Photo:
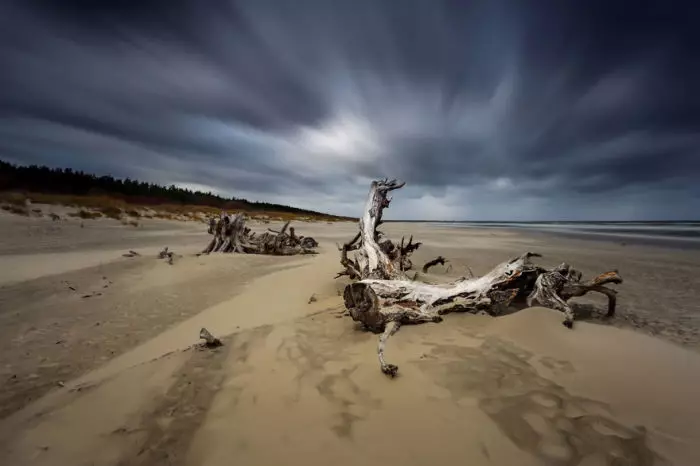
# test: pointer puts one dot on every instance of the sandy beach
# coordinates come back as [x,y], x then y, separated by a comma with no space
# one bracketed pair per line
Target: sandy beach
[97,365]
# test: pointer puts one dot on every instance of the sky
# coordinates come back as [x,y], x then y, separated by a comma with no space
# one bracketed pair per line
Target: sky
[488,109]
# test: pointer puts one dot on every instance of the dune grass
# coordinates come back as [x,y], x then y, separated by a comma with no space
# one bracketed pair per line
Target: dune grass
[97,206]
[85,214]
[15,209]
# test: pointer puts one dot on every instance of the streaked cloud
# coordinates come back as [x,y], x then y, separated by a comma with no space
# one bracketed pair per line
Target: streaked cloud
[488,109]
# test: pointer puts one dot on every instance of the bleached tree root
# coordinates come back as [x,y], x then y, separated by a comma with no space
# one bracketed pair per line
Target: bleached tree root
[385,298]
[232,235]
[377,303]
[377,257]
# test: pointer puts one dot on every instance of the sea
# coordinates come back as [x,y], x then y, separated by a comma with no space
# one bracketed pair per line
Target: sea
[681,234]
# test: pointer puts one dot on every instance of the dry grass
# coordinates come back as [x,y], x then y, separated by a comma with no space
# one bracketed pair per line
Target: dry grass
[12,198]
[61,199]
[14,203]
[85,214]
[15,209]
[111,212]
[115,208]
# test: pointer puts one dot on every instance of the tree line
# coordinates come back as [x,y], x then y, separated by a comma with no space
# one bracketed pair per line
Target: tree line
[66,181]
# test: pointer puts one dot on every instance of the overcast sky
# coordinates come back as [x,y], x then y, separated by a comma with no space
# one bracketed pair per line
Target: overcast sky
[511,110]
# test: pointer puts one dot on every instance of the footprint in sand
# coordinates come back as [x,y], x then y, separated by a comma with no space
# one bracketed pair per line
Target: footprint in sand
[538,423]
[556,365]
[556,448]
[545,399]
[603,427]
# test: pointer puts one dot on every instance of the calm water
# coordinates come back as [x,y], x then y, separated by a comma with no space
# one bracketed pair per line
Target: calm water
[680,234]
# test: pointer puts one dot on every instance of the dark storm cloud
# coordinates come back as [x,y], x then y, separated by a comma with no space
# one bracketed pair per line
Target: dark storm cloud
[488,109]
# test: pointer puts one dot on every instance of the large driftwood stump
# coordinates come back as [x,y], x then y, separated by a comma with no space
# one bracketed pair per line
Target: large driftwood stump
[232,235]
[384,297]
[377,257]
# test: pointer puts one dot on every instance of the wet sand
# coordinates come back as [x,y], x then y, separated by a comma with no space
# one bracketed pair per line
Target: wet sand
[113,379]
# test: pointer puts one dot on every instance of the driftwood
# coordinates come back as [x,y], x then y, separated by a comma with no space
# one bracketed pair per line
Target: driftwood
[232,235]
[377,257]
[166,254]
[210,341]
[438,260]
[384,297]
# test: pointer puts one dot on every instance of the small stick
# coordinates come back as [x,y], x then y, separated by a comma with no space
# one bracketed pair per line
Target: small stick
[438,260]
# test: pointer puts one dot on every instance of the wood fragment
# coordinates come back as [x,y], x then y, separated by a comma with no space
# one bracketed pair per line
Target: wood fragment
[438,260]
[169,256]
[210,341]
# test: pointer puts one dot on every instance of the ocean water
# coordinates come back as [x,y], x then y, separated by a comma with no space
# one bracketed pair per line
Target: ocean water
[680,234]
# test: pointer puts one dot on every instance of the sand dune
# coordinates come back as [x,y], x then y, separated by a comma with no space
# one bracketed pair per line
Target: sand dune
[296,383]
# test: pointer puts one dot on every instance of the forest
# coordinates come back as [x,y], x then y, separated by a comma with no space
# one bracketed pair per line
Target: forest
[66,181]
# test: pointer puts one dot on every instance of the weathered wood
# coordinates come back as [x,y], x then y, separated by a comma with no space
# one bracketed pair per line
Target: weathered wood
[308,242]
[384,298]
[438,260]
[166,254]
[131,253]
[375,258]
[555,287]
[464,295]
[232,235]
[351,267]
[210,341]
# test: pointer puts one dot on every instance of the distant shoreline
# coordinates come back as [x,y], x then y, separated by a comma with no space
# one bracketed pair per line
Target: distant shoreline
[553,222]
[681,234]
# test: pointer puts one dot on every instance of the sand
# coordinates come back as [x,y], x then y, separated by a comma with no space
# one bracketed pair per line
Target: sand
[113,379]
